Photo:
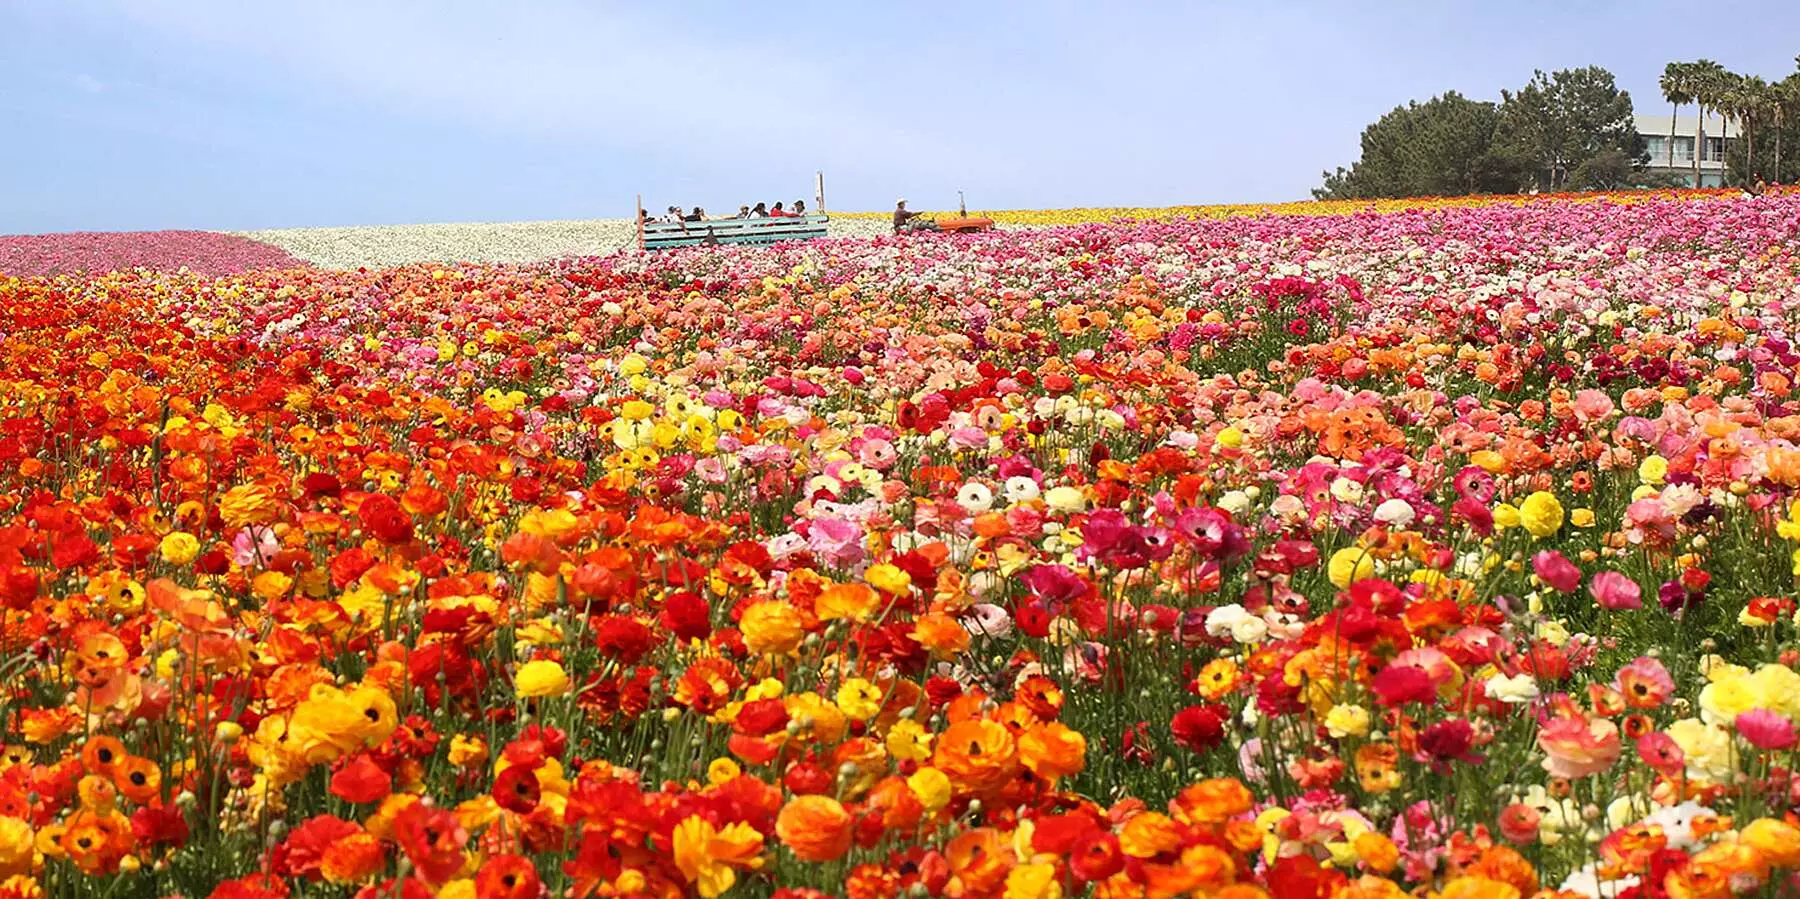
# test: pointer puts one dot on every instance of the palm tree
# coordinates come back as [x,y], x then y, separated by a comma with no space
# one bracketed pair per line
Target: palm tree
[1707,79]
[1677,82]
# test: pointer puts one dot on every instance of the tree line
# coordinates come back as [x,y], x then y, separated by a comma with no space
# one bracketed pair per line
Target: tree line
[1567,130]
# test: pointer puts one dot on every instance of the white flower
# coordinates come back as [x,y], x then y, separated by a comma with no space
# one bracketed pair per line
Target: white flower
[1235,502]
[1220,620]
[1020,489]
[1517,689]
[975,497]
[1345,490]
[1395,513]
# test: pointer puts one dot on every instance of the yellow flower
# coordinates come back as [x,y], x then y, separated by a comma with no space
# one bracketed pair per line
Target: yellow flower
[1653,469]
[636,410]
[888,578]
[1489,461]
[1036,880]
[772,627]
[1349,565]
[1065,499]
[1347,721]
[541,677]
[709,857]
[467,752]
[1230,438]
[859,699]
[931,786]
[17,843]
[722,770]
[633,365]
[1582,518]
[1506,515]
[1541,514]
[908,741]
[179,548]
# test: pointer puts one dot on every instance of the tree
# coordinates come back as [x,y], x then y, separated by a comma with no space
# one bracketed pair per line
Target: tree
[1677,83]
[1558,123]
[1442,147]
[1706,81]
[1775,154]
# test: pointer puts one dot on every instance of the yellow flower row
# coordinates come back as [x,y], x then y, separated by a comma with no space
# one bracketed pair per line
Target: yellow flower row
[1304,207]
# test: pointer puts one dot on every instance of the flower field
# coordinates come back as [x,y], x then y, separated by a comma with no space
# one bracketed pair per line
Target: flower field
[1446,552]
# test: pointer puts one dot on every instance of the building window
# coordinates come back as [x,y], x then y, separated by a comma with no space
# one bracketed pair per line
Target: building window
[1715,150]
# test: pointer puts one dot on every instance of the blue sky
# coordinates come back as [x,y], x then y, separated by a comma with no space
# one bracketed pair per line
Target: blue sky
[229,114]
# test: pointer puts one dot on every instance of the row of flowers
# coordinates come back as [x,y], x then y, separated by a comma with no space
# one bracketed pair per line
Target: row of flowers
[1040,217]
[1446,553]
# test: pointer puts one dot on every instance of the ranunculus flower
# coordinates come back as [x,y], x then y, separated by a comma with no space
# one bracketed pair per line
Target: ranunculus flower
[1577,748]
[539,678]
[1765,729]
[1615,591]
[1556,570]
[815,828]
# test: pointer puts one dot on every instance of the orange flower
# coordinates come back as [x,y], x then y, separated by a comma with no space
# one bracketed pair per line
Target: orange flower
[772,627]
[1506,865]
[138,779]
[979,858]
[1211,801]
[816,828]
[1149,834]
[942,635]
[978,755]
[857,602]
[101,754]
[1053,750]
[1478,888]
[1377,767]
[352,859]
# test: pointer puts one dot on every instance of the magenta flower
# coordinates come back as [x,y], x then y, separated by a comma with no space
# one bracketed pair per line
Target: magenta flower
[1766,729]
[1556,570]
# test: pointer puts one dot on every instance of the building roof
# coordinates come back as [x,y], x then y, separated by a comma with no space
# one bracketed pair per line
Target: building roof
[1652,125]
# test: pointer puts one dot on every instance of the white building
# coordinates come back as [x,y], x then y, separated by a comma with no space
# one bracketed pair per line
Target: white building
[1655,131]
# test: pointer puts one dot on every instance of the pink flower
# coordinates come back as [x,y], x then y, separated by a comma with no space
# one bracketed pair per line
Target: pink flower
[1577,748]
[1661,753]
[1615,591]
[1592,405]
[1644,683]
[1766,729]
[1556,570]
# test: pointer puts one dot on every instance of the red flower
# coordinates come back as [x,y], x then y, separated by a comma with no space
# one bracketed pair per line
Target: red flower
[361,780]
[432,839]
[686,616]
[304,850]
[624,638]
[761,717]
[382,516]
[161,825]
[1397,685]
[255,886]
[507,877]
[516,789]
[1096,856]
[1199,727]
